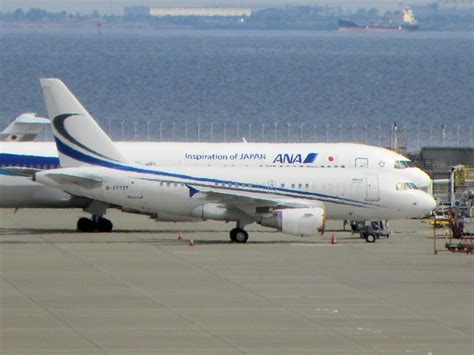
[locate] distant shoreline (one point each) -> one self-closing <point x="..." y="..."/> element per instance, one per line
<point x="91" y="26"/>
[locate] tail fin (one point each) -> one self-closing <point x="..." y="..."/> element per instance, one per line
<point x="79" y="139"/>
<point x="24" y="128"/>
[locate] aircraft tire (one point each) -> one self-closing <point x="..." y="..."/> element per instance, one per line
<point x="240" y="235"/>
<point x="104" y="225"/>
<point x="232" y="235"/>
<point x="370" y="238"/>
<point x="86" y="225"/>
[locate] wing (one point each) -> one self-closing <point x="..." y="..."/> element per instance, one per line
<point x="250" y="202"/>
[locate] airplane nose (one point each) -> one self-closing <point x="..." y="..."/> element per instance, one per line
<point x="428" y="203"/>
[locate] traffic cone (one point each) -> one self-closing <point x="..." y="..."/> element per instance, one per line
<point x="333" y="239"/>
<point x="180" y="235"/>
<point x="191" y="242"/>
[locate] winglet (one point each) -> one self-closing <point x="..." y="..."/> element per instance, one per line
<point x="192" y="191"/>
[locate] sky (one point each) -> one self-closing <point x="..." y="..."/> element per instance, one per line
<point x="116" y="6"/>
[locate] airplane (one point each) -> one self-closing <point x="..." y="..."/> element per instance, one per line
<point x="24" y="128"/>
<point x="294" y="200"/>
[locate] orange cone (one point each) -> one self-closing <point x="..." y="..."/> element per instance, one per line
<point x="191" y="242"/>
<point x="180" y="235"/>
<point x="333" y="239"/>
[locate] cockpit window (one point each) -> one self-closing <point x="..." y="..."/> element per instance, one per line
<point x="406" y="186"/>
<point x="402" y="164"/>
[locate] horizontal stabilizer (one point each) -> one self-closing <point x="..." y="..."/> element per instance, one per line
<point x="84" y="181"/>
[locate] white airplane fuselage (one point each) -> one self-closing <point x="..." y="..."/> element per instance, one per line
<point x="344" y="194"/>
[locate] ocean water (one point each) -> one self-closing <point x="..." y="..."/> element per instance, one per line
<point x="263" y="85"/>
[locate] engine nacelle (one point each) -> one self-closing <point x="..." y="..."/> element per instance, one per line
<point x="297" y="221"/>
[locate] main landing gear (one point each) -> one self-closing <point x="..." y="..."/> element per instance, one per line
<point x="98" y="224"/>
<point x="238" y="235"/>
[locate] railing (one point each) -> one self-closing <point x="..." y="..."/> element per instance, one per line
<point x="395" y="135"/>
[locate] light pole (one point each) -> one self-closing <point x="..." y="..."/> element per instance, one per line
<point x="275" y="127"/>
<point x="198" y="124"/>
<point x="225" y="131"/>
<point x="161" y="130"/>
<point x="148" y="130"/>
<point x="185" y="131"/>
<point x="250" y="132"/>
<point x="301" y="131"/>
<point x="443" y="135"/>
<point x="212" y="131"/>
<point x="379" y="135"/>
<point x="263" y="131"/>
<point x="457" y="135"/>
<point x="288" y="132"/>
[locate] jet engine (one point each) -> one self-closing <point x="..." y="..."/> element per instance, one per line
<point x="297" y="221"/>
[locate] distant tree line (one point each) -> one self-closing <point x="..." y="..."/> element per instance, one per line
<point x="36" y="14"/>
<point x="296" y="17"/>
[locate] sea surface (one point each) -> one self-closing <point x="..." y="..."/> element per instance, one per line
<point x="261" y="85"/>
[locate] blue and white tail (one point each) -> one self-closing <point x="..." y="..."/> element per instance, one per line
<point x="79" y="139"/>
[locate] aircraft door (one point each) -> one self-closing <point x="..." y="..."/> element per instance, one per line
<point x="134" y="190"/>
<point x="362" y="163"/>
<point x="372" y="185"/>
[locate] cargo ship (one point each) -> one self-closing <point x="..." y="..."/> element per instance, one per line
<point x="408" y="24"/>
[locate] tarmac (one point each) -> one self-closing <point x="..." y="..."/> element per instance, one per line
<point x="141" y="290"/>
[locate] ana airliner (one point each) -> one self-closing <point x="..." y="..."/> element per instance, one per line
<point x="295" y="200"/>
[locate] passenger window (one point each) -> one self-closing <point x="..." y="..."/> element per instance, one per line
<point x="292" y="186"/>
<point x="282" y="185"/>
<point x="306" y="185"/>
<point x="300" y="186"/>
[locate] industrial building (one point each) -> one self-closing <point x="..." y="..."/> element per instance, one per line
<point x="187" y="11"/>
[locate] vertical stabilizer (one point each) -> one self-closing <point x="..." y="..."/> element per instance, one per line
<point x="24" y="128"/>
<point x="79" y="139"/>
